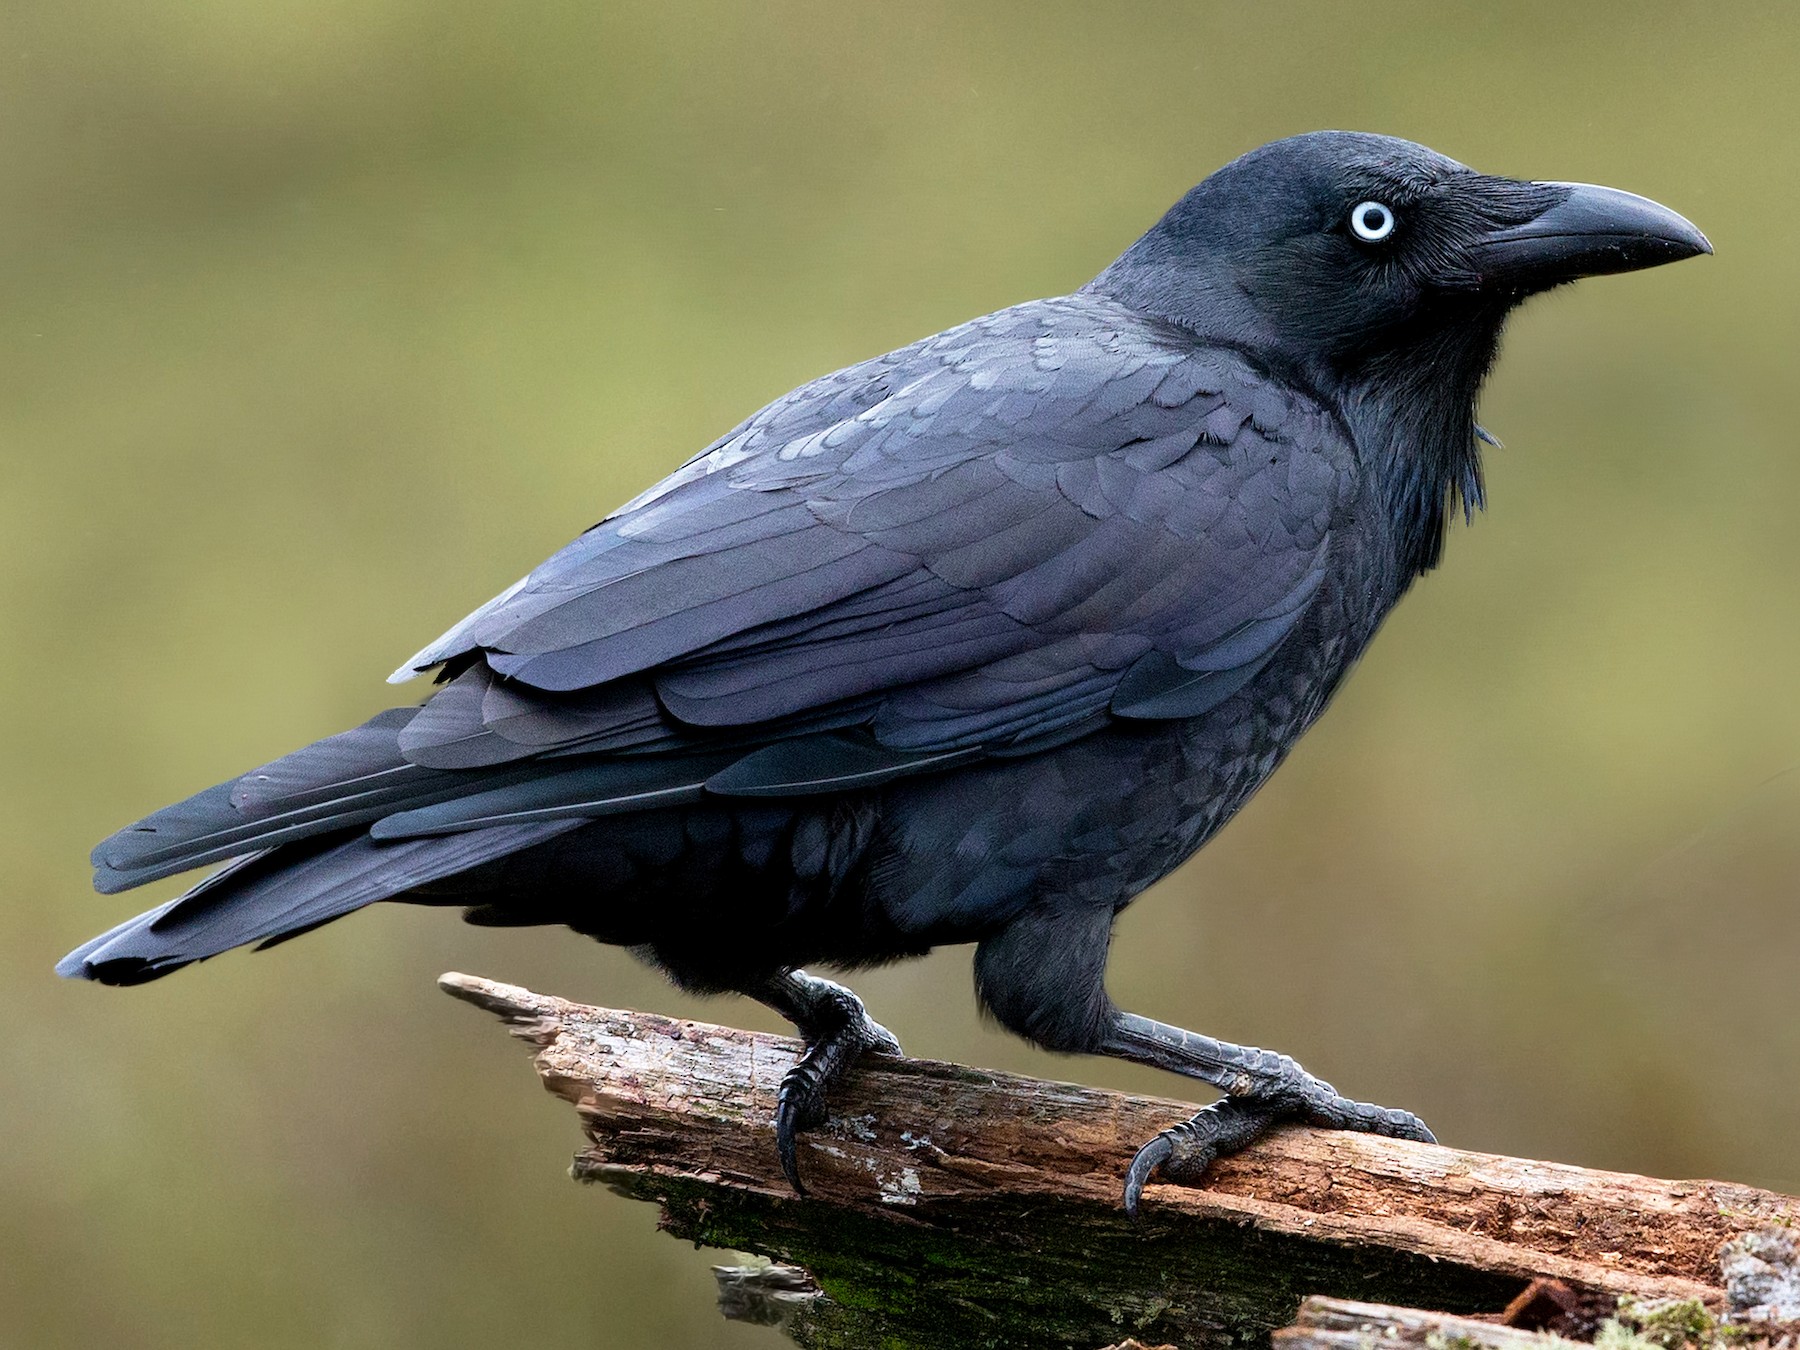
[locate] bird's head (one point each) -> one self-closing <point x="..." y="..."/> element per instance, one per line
<point x="1333" y="247"/>
<point x="1384" y="271"/>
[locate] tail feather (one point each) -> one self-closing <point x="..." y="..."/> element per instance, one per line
<point x="342" y="781"/>
<point x="279" y="894"/>
<point x="75" y="964"/>
<point x="319" y="771"/>
<point x="351" y="820"/>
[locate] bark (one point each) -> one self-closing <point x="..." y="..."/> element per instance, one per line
<point x="949" y="1206"/>
<point x="1340" y="1324"/>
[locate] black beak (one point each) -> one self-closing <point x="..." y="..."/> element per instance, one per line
<point x="1589" y="232"/>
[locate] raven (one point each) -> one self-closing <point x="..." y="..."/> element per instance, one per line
<point x="968" y="643"/>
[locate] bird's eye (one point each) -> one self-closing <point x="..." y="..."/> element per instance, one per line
<point x="1371" y="222"/>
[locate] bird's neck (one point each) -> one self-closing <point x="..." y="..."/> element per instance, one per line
<point x="1412" y="411"/>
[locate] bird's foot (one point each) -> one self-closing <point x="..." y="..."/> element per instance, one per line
<point x="1183" y="1152"/>
<point x="1261" y="1088"/>
<point x="838" y="1031"/>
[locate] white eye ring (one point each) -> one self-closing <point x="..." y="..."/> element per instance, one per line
<point x="1371" y="222"/>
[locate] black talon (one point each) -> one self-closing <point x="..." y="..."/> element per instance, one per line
<point x="784" y="1149"/>
<point x="1183" y="1152"/>
<point x="1143" y="1166"/>
<point x="838" y="1031"/>
<point x="799" y="1106"/>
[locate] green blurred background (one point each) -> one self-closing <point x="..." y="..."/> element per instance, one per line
<point x="323" y="321"/>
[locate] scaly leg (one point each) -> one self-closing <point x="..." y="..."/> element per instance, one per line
<point x="1043" y="976"/>
<point x="838" y="1031"/>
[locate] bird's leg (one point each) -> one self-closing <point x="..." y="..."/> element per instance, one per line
<point x="1043" y="976"/>
<point x="838" y="1031"/>
<point x="1260" y="1086"/>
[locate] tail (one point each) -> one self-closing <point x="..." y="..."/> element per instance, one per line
<point x="351" y="819"/>
<point x="302" y="822"/>
<point x="338" y="783"/>
<point x="284" y="892"/>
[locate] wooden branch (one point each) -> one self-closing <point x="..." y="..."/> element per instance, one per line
<point x="1003" y="1187"/>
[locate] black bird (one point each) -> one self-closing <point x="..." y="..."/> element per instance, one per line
<point x="970" y="642"/>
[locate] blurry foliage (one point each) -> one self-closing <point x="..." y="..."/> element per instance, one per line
<point x="323" y="321"/>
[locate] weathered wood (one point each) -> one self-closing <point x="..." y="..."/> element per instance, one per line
<point x="1340" y="1323"/>
<point x="1343" y="1324"/>
<point x="940" y="1192"/>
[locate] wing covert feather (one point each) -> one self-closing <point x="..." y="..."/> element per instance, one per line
<point x="1046" y="517"/>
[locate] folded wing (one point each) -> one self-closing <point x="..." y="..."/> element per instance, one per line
<point x="985" y="544"/>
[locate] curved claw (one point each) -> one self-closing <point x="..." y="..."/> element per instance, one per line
<point x="1143" y="1166"/>
<point x="799" y="1106"/>
<point x="786" y="1146"/>
<point x="1197" y="1142"/>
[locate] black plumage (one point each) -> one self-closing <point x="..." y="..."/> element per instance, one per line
<point x="970" y="642"/>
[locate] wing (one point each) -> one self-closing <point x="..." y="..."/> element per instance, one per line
<point x="986" y="544"/>
<point x="996" y="538"/>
